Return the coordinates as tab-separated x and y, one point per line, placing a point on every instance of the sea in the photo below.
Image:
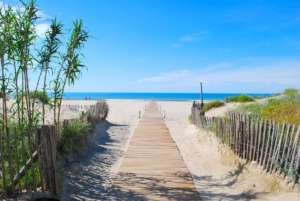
153	96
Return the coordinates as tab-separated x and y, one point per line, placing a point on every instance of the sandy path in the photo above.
215	169
89	178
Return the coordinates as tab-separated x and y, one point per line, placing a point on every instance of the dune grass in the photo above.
212	104
239	99
73	136
284	108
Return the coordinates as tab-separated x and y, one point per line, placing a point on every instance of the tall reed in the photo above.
23	57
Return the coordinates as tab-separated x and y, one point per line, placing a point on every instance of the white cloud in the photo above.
41	26
166	77
189	38
226	76
192	37
41	29
176	45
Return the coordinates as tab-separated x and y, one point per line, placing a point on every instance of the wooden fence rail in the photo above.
38	168
274	146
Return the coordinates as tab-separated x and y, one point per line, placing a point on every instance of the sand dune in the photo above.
217	173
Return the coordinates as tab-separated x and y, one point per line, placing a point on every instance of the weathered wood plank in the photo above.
151	171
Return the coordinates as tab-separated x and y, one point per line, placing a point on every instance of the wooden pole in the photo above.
46	139
201	87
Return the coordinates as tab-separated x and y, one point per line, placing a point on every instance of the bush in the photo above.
98	112
212	104
239	99
41	96
284	109
291	93
74	135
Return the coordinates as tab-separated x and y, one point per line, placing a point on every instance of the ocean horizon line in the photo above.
171	92
159	96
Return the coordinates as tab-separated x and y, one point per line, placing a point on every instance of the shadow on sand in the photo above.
89	177
228	181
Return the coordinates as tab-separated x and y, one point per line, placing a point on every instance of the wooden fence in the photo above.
274	146
39	170
36	165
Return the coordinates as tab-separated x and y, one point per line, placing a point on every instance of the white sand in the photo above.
214	167
89	177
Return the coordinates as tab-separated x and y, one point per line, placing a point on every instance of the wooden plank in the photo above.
295	151
285	145
154	172
252	136
258	134
289	147
263	143
24	169
47	139
276	161
270	152
267	144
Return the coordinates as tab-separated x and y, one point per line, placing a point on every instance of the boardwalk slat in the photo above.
152	166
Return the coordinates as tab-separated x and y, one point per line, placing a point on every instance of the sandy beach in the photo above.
217	173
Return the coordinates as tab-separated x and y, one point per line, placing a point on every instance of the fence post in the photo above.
47	140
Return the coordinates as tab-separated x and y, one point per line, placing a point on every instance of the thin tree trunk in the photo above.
17	93
62	93
4	116
56	104
44	91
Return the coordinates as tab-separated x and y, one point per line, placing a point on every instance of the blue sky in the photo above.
169	45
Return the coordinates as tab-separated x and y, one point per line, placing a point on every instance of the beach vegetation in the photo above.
70	67
284	108
239	99
291	93
25	56
73	136
213	104
40	96
98	112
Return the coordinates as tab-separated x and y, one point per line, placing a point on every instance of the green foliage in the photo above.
18	148
280	109
78	38
40	96
22	56
212	104
291	93
70	66
73	136
240	99
51	44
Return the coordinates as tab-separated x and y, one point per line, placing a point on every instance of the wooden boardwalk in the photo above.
152	167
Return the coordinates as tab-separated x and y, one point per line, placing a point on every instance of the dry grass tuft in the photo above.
98	112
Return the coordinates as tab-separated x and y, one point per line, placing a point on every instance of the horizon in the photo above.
170	46
170	96
169	92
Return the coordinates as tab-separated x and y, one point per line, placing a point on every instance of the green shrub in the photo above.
284	109
239	99
41	96
291	92
73	136
98	112
212	104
